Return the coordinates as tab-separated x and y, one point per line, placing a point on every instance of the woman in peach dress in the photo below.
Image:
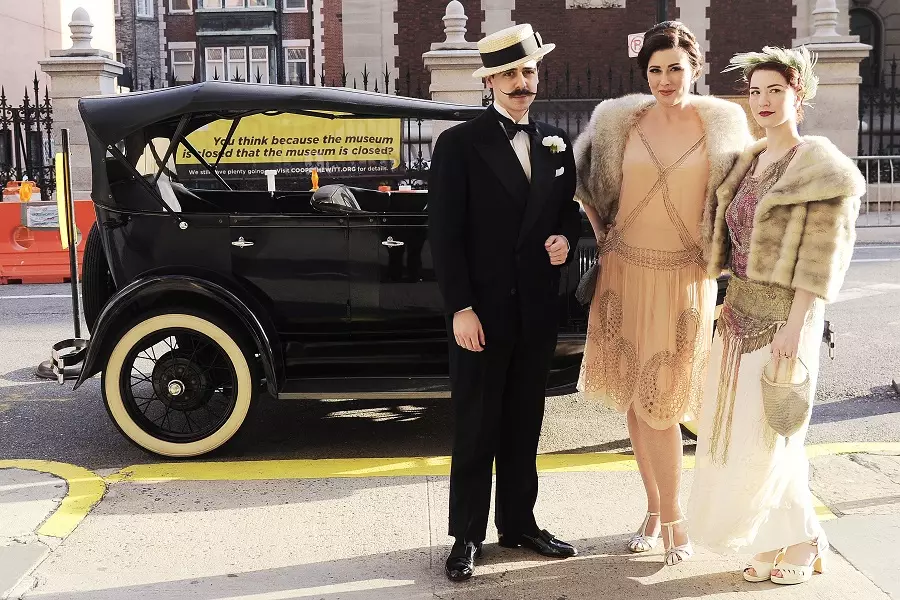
648	167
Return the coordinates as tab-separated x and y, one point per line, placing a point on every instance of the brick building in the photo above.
268	41
289	41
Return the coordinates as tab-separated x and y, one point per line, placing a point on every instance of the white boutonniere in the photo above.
555	143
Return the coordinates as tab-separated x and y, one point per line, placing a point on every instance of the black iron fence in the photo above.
566	99
415	134
26	139
879	116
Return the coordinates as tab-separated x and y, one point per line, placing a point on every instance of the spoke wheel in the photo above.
179	384
179	391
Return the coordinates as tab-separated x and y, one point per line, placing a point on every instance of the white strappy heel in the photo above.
791	574
761	568
640	541
676	554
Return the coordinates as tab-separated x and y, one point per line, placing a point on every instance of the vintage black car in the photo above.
199	296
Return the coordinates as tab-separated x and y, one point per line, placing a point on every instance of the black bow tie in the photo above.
513	128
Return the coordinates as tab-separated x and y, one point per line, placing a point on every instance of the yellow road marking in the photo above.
409	466
85	490
823	512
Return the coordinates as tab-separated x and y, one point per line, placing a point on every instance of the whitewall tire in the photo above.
175	380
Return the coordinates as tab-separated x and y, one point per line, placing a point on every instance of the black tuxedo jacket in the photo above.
488	225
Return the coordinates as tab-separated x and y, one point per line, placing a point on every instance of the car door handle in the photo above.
242	243
391	243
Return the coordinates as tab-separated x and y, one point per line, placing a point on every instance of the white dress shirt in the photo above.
521	143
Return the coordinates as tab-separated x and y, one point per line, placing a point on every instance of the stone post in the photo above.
451	64
835	110
79	71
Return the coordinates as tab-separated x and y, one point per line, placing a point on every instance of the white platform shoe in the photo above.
790	574
640	541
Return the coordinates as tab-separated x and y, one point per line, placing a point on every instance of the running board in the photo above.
366	388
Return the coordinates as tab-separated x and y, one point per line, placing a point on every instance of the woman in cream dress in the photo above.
784	226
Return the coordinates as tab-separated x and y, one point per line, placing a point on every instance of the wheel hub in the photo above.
180	383
176	388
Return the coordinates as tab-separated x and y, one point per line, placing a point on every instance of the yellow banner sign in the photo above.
289	138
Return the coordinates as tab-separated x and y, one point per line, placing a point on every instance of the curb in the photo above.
86	488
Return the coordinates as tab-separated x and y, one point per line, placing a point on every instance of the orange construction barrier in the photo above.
30	245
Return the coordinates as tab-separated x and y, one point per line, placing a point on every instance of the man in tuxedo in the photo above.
502	222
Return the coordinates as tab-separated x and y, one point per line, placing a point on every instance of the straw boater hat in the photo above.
510	48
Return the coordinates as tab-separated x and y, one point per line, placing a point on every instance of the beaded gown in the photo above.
750	492
651	318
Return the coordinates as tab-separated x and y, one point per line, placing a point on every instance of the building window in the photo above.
866	25
183	66
117	7
211	3
294	4
241	3
176	6
144	8
237	63
259	64
215	64
296	65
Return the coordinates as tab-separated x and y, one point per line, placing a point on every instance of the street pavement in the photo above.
326	499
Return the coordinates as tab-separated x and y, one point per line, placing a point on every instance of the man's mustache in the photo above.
520	93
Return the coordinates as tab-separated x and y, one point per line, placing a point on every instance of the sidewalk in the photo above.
867	235
354	529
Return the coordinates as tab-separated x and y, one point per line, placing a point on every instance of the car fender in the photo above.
127	303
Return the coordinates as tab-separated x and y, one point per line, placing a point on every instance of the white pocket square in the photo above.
560	171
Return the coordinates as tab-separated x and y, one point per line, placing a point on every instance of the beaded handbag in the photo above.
787	401
584	293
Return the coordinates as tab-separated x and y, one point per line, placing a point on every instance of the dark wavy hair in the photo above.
666	36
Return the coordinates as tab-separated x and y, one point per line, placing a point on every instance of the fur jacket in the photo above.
600	149
803	229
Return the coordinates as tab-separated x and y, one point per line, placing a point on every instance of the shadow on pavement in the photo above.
881	400
418	573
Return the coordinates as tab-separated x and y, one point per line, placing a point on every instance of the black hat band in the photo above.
511	54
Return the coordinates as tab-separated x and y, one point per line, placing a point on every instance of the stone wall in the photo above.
147	30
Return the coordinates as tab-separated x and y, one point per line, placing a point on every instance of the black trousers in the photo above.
498	396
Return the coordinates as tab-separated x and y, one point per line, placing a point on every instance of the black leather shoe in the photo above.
460	564
543	543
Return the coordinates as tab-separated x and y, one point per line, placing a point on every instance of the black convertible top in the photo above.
112	118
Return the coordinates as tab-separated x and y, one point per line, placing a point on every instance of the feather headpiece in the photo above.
801	60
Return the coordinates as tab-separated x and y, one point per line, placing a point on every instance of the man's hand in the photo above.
558	248
467	330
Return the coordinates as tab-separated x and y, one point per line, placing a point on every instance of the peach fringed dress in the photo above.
651	318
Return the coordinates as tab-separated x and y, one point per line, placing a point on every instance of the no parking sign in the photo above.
635	43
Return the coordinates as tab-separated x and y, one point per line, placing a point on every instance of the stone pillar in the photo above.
835	110
451	64
694	15
79	71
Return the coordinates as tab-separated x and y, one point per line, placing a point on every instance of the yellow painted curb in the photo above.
284	469
85	490
852	448
435	466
